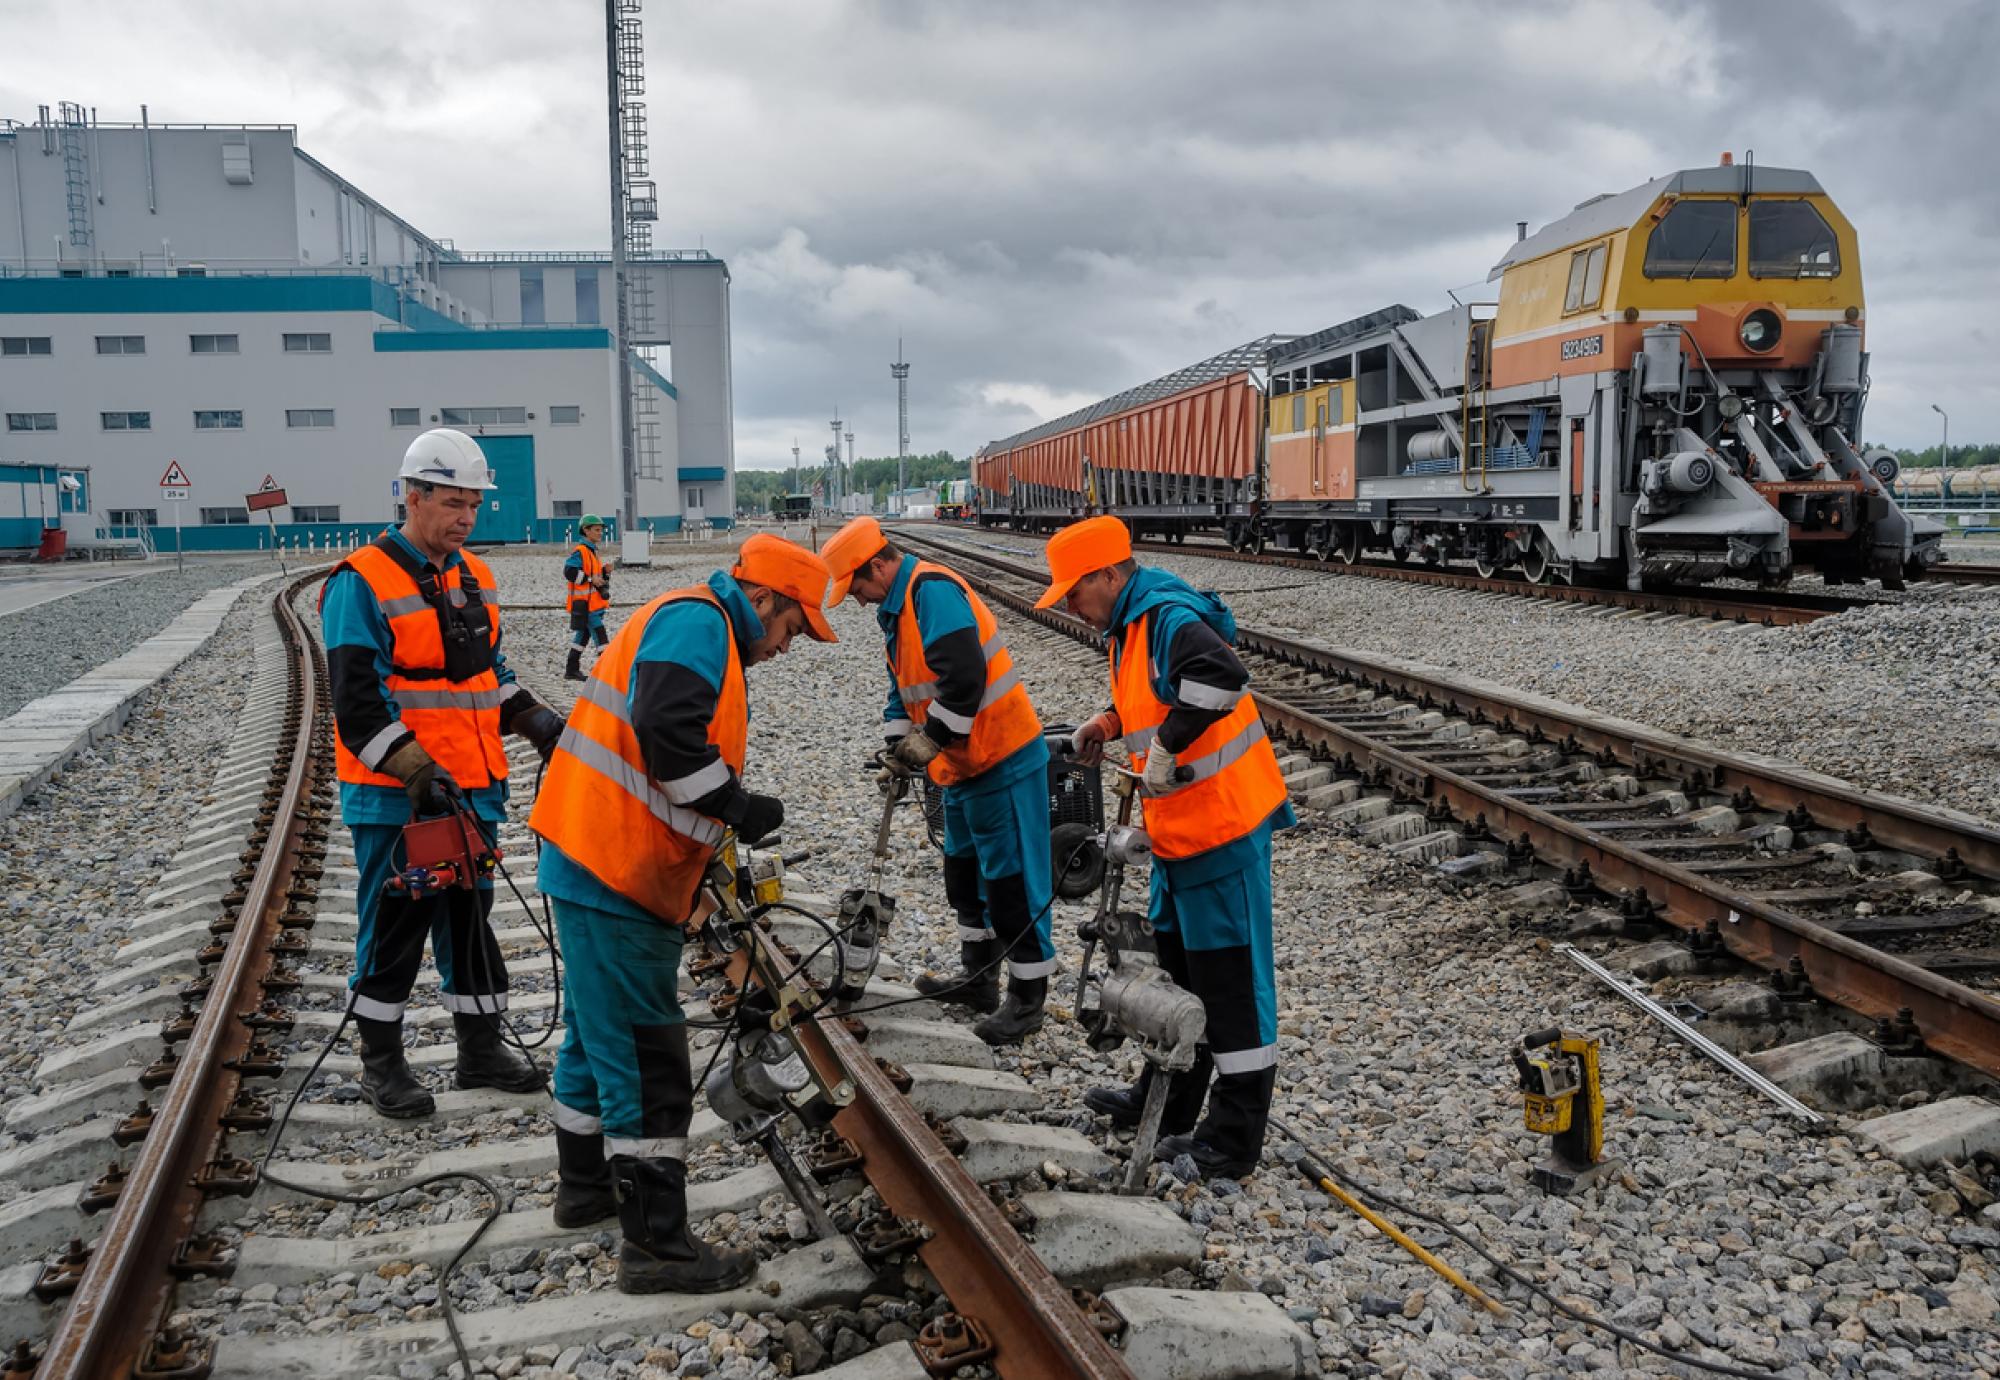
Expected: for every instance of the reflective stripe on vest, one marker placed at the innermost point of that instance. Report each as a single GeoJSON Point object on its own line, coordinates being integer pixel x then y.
{"type": "Point", "coordinates": [1236, 782]}
{"type": "Point", "coordinates": [1004, 722]}
{"type": "Point", "coordinates": [584, 591]}
{"type": "Point", "coordinates": [456, 722]}
{"type": "Point", "coordinates": [604, 810]}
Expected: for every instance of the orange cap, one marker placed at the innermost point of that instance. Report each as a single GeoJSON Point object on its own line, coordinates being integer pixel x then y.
{"type": "Point", "coordinates": [792, 571]}
{"type": "Point", "coordinates": [847, 550]}
{"type": "Point", "coordinates": [1076, 551]}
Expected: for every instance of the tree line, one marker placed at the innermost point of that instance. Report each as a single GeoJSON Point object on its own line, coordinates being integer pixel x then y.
{"type": "Point", "coordinates": [757, 491]}
{"type": "Point", "coordinates": [1962, 457]}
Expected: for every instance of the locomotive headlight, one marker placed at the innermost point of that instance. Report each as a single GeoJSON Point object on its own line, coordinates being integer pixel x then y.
{"type": "Point", "coordinates": [1760, 330]}
{"type": "Point", "coordinates": [1730, 406]}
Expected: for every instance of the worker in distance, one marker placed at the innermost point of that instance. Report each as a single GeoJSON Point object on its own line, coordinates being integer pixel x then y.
{"type": "Point", "coordinates": [1211, 795]}
{"type": "Point", "coordinates": [587, 585]}
{"type": "Point", "coordinates": [958, 712]}
{"type": "Point", "coordinates": [645, 777]}
{"type": "Point", "coordinates": [421, 698]}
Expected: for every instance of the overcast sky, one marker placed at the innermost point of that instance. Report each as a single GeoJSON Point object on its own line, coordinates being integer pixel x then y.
{"type": "Point", "coordinates": [1053, 201]}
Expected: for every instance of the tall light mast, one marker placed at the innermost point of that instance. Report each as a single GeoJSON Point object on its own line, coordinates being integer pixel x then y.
{"type": "Point", "coordinates": [900, 372]}
{"type": "Point", "coordinates": [839, 479]}
{"type": "Point", "coordinates": [634, 207]}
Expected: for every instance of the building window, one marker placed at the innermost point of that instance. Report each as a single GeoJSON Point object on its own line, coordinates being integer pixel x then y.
{"type": "Point", "coordinates": [483, 416]}
{"type": "Point", "coordinates": [308, 418]}
{"type": "Point", "coordinates": [308, 343]}
{"type": "Point", "coordinates": [31, 421]}
{"type": "Point", "coordinates": [587, 311]}
{"type": "Point", "coordinates": [1695, 239]}
{"type": "Point", "coordinates": [406, 416]}
{"type": "Point", "coordinates": [225, 517]}
{"type": "Point", "coordinates": [402, 512]}
{"type": "Point", "coordinates": [69, 273]}
{"type": "Point", "coordinates": [219, 419]}
{"type": "Point", "coordinates": [18, 346]}
{"type": "Point", "coordinates": [126, 421]}
{"type": "Point", "coordinates": [694, 500]}
{"type": "Point", "coordinates": [192, 271]}
{"type": "Point", "coordinates": [133, 517]}
{"type": "Point", "coordinates": [1586, 279]}
{"type": "Point", "coordinates": [121, 344]}
{"type": "Point", "coordinates": [212, 344]}
{"type": "Point", "coordinates": [322, 512]}
{"type": "Point", "coordinates": [566, 507]}
{"type": "Point", "coordinates": [532, 313]}
{"type": "Point", "coordinates": [565, 414]}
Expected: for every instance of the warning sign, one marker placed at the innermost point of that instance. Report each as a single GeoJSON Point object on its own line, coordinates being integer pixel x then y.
{"type": "Point", "coordinates": [269, 485]}
{"type": "Point", "coordinates": [175, 477]}
{"type": "Point", "coordinates": [264, 499]}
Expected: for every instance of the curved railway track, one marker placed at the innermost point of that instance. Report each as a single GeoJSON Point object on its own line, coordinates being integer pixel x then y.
{"type": "Point", "coordinates": [1770, 608]}
{"type": "Point", "coordinates": [916, 1174]}
{"type": "Point", "coordinates": [1806, 877]}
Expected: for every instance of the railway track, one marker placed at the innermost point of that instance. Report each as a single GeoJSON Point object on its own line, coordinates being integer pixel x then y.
{"type": "Point", "coordinates": [181, 1258]}
{"type": "Point", "coordinates": [1965, 574]}
{"type": "Point", "coordinates": [1771, 609]}
{"type": "Point", "coordinates": [1839, 894]}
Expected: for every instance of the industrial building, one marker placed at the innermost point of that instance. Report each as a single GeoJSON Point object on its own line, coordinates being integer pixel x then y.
{"type": "Point", "coordinates": [216, 297]}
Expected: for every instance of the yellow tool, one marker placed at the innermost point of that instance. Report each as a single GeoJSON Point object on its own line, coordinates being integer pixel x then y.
{"type": "Point", "coordinates": [1552, 1087]}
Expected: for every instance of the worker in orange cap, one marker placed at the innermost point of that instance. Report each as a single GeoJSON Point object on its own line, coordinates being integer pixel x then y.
{"type": "Point", "coordinates": [957, 710]}
{"type": "Point", "coordinates": [1211, 795]}
{"type": "Point", "coordinates": [646, 776]}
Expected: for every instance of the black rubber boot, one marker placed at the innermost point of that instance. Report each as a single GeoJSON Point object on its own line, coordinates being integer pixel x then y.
{"type": "Point", "coordinates": [385, 1074]}
{"type": "Point", "coordinates": [1210, 1161]}
{"type": "Point", "coordinates": [1185, 1095]}
{"type": "Point", "coordinates": [978, 986]}
{"type": "Point", "coordinates": [583, 1184]}
{"type": "Point", "coordinates": [1019, 1016]}
{"type": "Point", "coordinates": [573, 668]}
{"type": "Point", "coordinates": [486, 1061]}
{"type": "Point", "coordinates": [658, 1254]}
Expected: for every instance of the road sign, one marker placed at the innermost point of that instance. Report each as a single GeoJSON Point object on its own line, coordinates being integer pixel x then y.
{"type": "Point", "coordinates": [265, 498]}
{"type": "Point", "coordinates": [269, 485]}
{"type": "Point", "coordinates": [175, 477]}
{"type": "Point", "coordinates": [176, 495]}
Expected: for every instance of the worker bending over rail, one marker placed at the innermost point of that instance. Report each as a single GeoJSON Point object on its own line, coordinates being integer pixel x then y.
{"type": "Point", "coordinates": [1211, 796]}
{"type": "Point", "coordinates": [587, 580]}
{"type": "Point", "coordinates": [958, 711]}
{"type": "Point", "coordinates": [646, 774]}
{"type": "Point", "coordinates": [421, 697]}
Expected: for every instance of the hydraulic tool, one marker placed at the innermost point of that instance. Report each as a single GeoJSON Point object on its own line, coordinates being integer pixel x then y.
{"type": "Point", "coordinates": [1563, 1099]}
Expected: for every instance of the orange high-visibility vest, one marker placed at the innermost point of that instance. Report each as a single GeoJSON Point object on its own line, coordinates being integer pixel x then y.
{"type": "Point", "coordinates": [1005, 722]}
{"type": "Point", "coordinates": [1236, 782]}
{"type": "Point", "coordinates": [586, 593]}
{"type": "Point", "coordinates": [601, 807]}
{"type": "Point", "coordinates": [456, 721]}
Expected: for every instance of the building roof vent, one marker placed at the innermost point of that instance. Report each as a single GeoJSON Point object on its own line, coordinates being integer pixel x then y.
{"type": "Point", "coordinates": [236, 159]}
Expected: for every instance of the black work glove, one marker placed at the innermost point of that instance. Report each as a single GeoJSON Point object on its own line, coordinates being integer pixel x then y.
{"type": "Point", "coordinates": [761, 815]}
{"type": "Point", "coordinates": [429, 789]}
{"type": "Point", "coordinates": [540, 726]}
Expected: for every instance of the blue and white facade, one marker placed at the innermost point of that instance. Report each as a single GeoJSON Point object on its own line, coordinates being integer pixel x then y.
{"type": "Point", "coordinates": [215, 297]}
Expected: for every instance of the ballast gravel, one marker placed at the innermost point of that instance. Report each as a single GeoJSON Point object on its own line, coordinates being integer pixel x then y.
{"type": "Point", "coordinates": [46, 647]}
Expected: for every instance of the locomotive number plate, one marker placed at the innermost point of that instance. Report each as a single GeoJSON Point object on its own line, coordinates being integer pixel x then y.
{"type": "Point", "coordinates": [1583, 347]}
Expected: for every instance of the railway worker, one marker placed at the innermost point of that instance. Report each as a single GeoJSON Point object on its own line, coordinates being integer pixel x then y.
{"type": "Point", "coordinates": [645, 776]}
{"type": "Point", "coordinates": [421, 698]}
{"type": "Point", "coordinates": [1179, 701]}
{"type": "Point", "coordinates": [957, 710]}
{"type": "Point", "coordinates": [588, 581]}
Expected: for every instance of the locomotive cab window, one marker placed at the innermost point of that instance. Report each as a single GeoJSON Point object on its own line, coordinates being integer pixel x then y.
{"type": "Point", "coordinates": [1695, 239]}
{"type": "Point", "coordinates": [1790, 239]}
{"type": "Point", "coordinates": [1586, 278]}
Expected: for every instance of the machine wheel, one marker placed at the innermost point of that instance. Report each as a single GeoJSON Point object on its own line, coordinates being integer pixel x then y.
{"type": "Point", "coordinates": [1535, 564]}
{"type": "Point", "coordinates": [1079, 858]}
{"type": "Point", "coordinates": [1484, 568]}
{"type": "Point", "coordinates": [1348, 544]}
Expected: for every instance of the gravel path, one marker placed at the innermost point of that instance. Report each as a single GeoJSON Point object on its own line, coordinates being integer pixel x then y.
{"type": "Point", "coordinates": [48, 646]}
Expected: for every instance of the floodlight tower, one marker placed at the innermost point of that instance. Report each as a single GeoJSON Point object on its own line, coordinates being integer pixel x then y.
{"type": "Point", "coordinates": [795, 464]}
{"type": "Point", "coordinates": [838, 477]}
{"type": "Point", "coordinates": [900, 372]}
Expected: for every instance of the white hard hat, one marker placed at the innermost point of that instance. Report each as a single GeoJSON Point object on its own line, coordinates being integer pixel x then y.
{"type": "Point", "coordinates": [447, 457]}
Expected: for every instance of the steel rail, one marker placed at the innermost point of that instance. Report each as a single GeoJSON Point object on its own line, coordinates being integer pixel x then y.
{"type": "Point", "coordinates": [1955, 574]}
{"type": "Point", "coordinates": [1953, 1019]}
{"type": "Point", "coordinates": [990, 1274]}
{"type": "Point", "coordinates": [123, 1292]}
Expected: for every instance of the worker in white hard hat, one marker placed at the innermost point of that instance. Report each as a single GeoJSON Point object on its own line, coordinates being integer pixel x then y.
{"type": "Point", "coordinates": [421, 697]}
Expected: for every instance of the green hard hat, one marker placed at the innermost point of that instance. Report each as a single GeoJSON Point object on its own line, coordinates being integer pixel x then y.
{"type": "Point", "coordinates": [590, 520]}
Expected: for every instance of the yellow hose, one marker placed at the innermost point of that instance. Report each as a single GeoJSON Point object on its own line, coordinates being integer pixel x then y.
{"type": "Point", "coordinates": [1401, 1238]}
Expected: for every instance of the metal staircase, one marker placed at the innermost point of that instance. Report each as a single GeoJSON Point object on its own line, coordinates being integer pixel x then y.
{"type": "Point", "coordinates": [76, 173]}
{"type": "Point", "coordinates": [642, 208]}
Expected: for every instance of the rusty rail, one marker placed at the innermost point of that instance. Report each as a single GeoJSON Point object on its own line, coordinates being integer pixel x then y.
{"type": "Point", "coordinates": [1953, 573]}
{"type": "Point", "coordinates": [1953, 1019]}
{"type": "Point", "coordinates": [111, 1323]}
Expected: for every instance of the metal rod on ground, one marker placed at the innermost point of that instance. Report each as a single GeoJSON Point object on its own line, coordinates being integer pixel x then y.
{"type": "Point", "coordinates": [1743, 1071]}
{"type": "Point", "coordinates": [1317, 1170]}
{"type": "Point", "coordinates": [1149, 1131]}
{"type": "Point", "coordinates": [799, 1185]}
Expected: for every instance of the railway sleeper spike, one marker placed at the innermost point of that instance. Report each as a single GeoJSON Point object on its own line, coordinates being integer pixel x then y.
{"type": "Point", "coordinates": [1105, 1320]}
{"type": "Point", "coordinates": [881, 1236]}
{"type": "Point", "coordinates": [951, 1341]}
{"type": "Point", "coordinates": [175, 1355]}
{"type": "Point", "coordinates": [103, 1191]}
{"type": "Point", "coordinates": [261, 1060]}
{"type": "Point", "coordinates": [1006, 1196]}
{"type": "Point", "coordinates": [20, 1362]}
{"type": "Point", "coordinates": [181, 1026]}
{"type": "Point", "coordinates": [61, 1271]}
{"type": "Point", "coordinates": [226, 1175]}
{"type": "Point", "coordinates": [1899, 1037]}
{"type": "Point", "coordinates": [269, 1015]}
{"type": "Point", "coordinates": [160, 1072]}
{"type": "Point", "coordinates": [203, 1256]}
{"type": "Point", "coordinates": [135, 1127]}
{"type": "Point", "coordinates": [1792, 983]}
{"type": "Point", "coordinates": [1578, 881]}
{"type": "Point", "coordinates": [247, 1112]}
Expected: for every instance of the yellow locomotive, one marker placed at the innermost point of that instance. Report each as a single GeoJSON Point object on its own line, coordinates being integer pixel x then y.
{"type": "Point", "coordinates": [1668, 388]}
